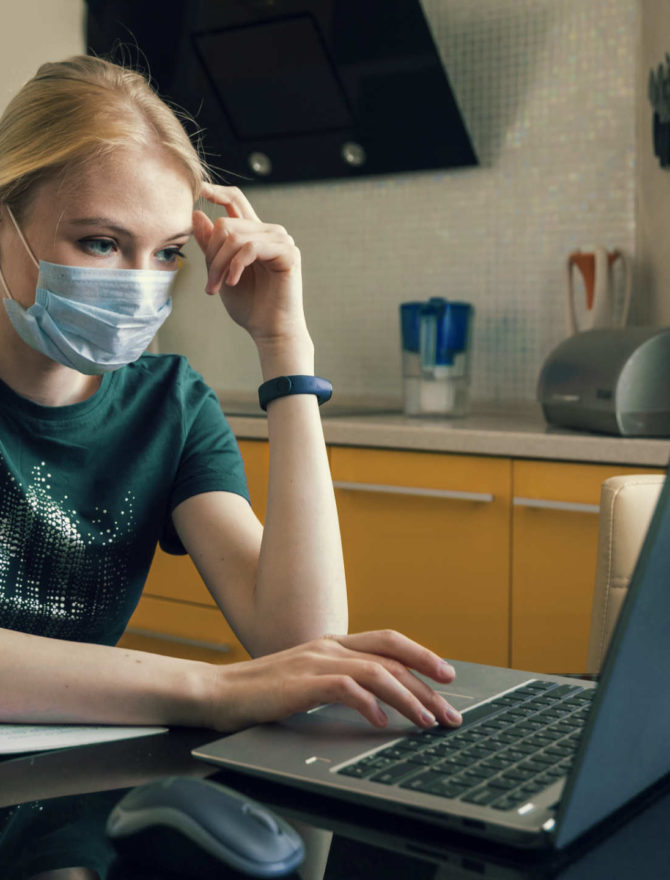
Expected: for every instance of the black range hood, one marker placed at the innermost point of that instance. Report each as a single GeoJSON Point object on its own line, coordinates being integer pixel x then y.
{"type": "Point", "coordinates": [295, 90]}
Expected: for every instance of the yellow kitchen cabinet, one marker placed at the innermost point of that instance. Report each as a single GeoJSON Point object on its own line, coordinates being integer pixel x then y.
{"type": "Point", "coordinates": [176, 614]}
{"type": "Point", "coordinates": [487, 559]}
{"type": "Point", "coordinates": [427, 547]}
{"type": "Point", "coordinates": [554, 549]}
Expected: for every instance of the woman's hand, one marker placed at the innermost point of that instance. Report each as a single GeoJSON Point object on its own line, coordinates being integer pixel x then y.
{"type": "Point", "coordinates": [356, 670]}
{"type": "Point", "coordinates": [254, 267]}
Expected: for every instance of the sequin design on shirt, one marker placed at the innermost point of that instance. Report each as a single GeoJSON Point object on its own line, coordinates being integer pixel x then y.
{"type": "Point", "coordinates": [61, 573]}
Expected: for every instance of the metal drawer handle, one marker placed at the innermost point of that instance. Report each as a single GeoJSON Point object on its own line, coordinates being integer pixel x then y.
{"type": "Point", "coordinates": [570, 506]}
{"type": "Point", "coordinates": [480, 497]}
{"type": "Point", "coordinates": [221, 647]}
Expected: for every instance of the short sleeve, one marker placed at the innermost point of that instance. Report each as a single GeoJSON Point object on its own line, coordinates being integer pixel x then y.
{"type": "Point", "coordinates": [210, 459]}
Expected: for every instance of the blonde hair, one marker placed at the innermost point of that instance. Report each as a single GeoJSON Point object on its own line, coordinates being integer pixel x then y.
{"type": "Point", "coordinates": [74, 110]}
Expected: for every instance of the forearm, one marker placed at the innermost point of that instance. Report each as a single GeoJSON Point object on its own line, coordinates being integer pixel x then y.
{"type": "Point", "coordinates": [300, 589]}
{"type": "Point", "coordinates": [296, 590]}
{"type": "Point", "coordinates": [47, 680]}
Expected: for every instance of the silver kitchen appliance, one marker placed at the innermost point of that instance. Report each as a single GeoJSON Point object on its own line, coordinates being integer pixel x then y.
{"type": "Point", "coordinates": [613, 380]}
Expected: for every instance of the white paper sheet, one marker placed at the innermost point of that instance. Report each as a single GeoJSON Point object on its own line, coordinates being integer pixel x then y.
{"type": "Point", "coordinates": [18, 738]}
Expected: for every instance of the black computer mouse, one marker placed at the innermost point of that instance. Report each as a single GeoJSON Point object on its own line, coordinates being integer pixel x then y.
{"type": "Point", "coordinates": [197, 828]}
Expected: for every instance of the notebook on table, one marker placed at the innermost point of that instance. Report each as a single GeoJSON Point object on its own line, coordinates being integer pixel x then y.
{"type": "Point", "coordinates": [538, 761]}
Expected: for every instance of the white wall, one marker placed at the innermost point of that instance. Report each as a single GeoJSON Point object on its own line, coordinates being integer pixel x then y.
{"type": "Point", "coordinates": [35, 31]}
{"type": "Point", "coordinates": [547, 90]}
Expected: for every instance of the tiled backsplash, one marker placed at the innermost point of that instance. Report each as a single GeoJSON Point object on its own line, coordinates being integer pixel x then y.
{"type": "Point", "coordinates": [547, 91]}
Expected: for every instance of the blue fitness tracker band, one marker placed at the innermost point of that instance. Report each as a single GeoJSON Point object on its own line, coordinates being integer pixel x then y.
{"type": "Point", "coordinates": [282, 386]}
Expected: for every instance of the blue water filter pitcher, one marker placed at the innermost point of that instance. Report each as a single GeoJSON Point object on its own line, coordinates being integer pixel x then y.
{"type": "Point", "coordinates": [436, 341]}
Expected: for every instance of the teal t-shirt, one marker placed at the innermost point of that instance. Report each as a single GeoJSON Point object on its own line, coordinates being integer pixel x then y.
{"type": "Point", "coordinates": [87, 491]}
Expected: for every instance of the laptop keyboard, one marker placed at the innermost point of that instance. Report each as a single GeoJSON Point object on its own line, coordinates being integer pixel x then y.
{"type": "Point", "coordinates": [505, 751]}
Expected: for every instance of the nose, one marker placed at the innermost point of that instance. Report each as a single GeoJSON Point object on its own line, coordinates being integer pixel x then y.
{"type": "Point", "coordinates": [138, 260]}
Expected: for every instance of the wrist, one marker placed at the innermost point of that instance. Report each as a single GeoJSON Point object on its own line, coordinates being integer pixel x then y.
{"type": "Point", "coordinates": [285, 357]}
{"type": "Point", "coordinates": [194, 695]}
{"type": "Point", "coordinates": [288, 386]}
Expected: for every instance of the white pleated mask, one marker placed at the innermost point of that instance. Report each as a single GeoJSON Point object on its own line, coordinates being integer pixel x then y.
{"type": "Point", "coordinates": [91, 319]}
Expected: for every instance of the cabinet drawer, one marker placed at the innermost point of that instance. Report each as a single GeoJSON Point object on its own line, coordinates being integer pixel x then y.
{"type": "Point", "coordinates": [429, 471]}
{"type": "Point", "coordinates": [167, 646]}
{"type": "Point", "coordinates": [176, 577]}
{"type": "Point", "coordinates": [426, 548]}
{"type": "Point", "coordinates": [186, 623]}
{"type": "Point", "coordinates": [554, 549]}
{"type": "Point", "coordinates": [177, 604]}
{"type": "Point", "coordinates": [564, 482]}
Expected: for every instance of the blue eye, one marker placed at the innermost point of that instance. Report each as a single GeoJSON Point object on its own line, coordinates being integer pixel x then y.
{"type": "Point", "coordinates": [170, 255]}
{"type": "Point", "coordinates": [99, 247]}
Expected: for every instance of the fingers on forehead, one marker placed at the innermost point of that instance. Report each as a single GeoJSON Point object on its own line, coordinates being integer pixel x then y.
{"type": "Point", "coordinates": [232, 198]}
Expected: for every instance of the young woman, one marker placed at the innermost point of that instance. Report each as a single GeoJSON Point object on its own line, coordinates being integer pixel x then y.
{"type": "Point", "coordinates": [104, 451]}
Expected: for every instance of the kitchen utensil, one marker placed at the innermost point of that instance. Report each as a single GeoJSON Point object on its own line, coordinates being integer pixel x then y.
{"type": "Point", "coordinates": [595, 264]}
{"type": "Point", "coordinates": [436, 338]}
{"type": "Point", "coordinates": [612, 380]}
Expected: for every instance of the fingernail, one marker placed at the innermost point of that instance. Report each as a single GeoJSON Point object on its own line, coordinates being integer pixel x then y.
{"type": "Point", "coordinates": [454, 715]}
{"type": "Point", "coordinates": [382, 716]}
{"type": "Point", "coordinates": [447, 669]}
{"type": "Point", "coordinates": [428, 718]}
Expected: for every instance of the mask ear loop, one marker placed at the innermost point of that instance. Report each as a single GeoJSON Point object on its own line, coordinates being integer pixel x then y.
{"type": "Point", "coordinates": [29, 250]}
{"type": "Point", "coordinates": [7, 294]}
{"type": "Point", "coordinates": [26, 246]}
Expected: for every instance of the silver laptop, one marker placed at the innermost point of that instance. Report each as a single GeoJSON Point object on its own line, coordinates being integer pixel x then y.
{"type": "Point", "coordinates": [538, 761]}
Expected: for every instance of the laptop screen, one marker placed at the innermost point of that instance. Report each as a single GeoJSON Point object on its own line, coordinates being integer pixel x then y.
{"type": "Point", "coordinates": [625, 744]}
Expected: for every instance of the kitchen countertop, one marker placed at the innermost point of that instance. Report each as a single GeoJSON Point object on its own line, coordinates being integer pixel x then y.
{"type": "Point", "coordinates": [517, 430]}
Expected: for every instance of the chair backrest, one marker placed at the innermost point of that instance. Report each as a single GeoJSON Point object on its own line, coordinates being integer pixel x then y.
{"type": "Point", "coordinates": [626, 507]}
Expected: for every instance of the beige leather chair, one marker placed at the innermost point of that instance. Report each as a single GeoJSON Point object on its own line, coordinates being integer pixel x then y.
{"type": "Point", "coordinates": [626, 506]}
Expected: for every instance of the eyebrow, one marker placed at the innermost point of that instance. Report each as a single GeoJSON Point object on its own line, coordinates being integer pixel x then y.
{"type": "Point", "coordinates": [121, 230]}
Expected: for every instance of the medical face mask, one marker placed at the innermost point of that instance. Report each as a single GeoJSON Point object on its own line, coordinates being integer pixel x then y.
{"type": "Point", "coordinates": [92, 320]}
